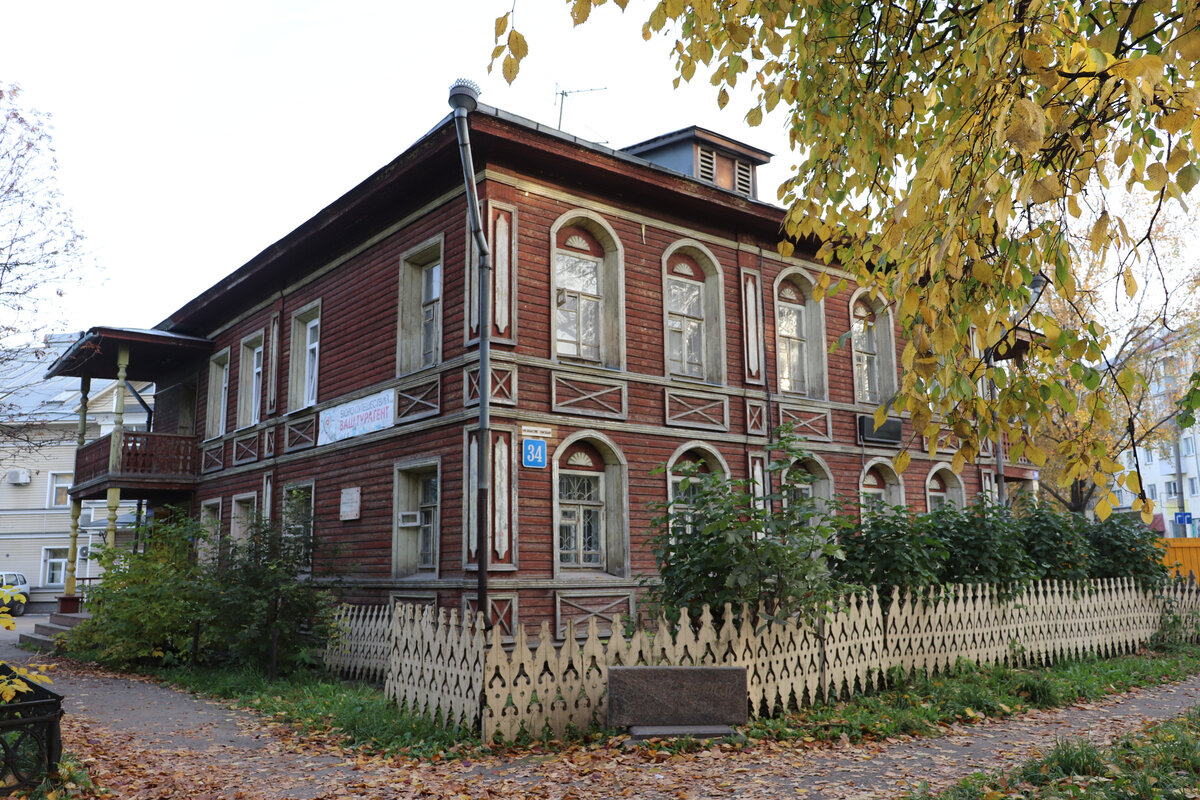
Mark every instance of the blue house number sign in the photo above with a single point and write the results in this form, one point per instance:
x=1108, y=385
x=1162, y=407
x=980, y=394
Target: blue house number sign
x=533, y=453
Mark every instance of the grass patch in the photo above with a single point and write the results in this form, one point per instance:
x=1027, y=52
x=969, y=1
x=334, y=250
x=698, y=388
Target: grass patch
x=1161, y=760
x=925, y=705
x=316, y=702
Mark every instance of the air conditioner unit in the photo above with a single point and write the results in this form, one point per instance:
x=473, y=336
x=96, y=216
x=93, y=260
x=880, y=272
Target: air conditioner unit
x=17, y=477
x=408, y=519
x=888, y=433
x=85, y=552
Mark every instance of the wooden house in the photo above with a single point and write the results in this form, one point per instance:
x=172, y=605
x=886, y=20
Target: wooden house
x=641, y=315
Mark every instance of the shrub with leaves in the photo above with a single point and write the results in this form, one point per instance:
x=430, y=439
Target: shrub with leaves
x=1123, y=547
x=891, y=547
x=721, y=540
x=144, y=611
x=1056, y=543
x=262, y=604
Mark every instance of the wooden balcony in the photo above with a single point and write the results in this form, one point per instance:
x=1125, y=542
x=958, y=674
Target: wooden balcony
x=151, y=466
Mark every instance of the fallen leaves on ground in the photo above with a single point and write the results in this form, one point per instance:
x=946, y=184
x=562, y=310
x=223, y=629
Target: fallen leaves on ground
x=269, y=760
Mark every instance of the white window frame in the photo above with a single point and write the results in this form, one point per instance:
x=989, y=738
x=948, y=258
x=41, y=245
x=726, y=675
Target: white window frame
x=251, y=376
x=955, y=493
x=53, y=485
x=305, y=367
x=1189, y=446
x=680, y=325
x=891, y=493
x=579, y=505
x=564, y=345
x=712, y=307
x=240, y=521
x=408, y=480
x=616, y=527
x=47, y=561
x=611, y=286
x=1152, y=491
x=880, y=363
x=210, y=519
x=217, y=415
x=419, y=334
x=1193, y=486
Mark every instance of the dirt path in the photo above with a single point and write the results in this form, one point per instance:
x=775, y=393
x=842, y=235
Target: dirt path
x=144, y=741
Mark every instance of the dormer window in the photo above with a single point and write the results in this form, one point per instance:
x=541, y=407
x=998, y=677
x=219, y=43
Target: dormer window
x=724, y=170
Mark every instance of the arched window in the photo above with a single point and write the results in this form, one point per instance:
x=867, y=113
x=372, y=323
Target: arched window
x=581, y=508
x=705, y=461
x=874, y=352
x=694, y=313
x=590, y=507
x=587, y=291
x=880, y=486
x=943, y=488
x=821, y=486
x=799, y=336
x=792, y=331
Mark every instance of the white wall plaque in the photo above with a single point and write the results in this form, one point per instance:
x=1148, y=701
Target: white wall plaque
x=351, y=503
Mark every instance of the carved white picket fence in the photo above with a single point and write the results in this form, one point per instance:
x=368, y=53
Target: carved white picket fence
x=435, y=666
x=361, y=644
x=439, y=665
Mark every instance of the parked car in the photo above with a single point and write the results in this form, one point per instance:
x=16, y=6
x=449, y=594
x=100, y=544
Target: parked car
x=15, y=582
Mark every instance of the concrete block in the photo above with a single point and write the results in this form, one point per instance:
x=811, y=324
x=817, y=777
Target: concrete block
x=673, y=696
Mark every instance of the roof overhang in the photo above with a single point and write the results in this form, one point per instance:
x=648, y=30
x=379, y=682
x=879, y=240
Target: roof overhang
x=152, y=354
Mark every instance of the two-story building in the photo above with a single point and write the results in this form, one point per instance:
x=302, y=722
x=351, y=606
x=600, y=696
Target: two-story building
x=640, y=315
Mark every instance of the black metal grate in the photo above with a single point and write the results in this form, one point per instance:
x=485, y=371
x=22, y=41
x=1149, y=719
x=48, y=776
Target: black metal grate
x=30, y=736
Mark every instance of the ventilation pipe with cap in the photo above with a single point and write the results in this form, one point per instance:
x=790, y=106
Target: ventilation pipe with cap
x=464, y=98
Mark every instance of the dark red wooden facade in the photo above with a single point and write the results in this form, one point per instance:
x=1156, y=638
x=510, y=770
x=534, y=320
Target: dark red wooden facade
x=618, y=418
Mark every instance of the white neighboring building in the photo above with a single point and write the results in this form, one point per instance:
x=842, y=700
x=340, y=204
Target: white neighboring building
x=1171, y=466
x=35, y=510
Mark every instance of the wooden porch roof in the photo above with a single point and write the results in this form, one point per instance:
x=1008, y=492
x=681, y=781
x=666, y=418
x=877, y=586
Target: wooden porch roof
x=151, y=354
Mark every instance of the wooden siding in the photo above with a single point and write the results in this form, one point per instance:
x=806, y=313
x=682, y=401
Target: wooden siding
x=359, y=299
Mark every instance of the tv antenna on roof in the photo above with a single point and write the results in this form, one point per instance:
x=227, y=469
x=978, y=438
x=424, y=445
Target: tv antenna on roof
x=560, y=97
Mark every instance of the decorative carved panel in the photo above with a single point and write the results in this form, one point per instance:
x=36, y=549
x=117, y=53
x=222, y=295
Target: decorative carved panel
x=755, y=351
x=811, y=423
x=504, y=611
x=756, y=417
x=686, y=410
x=268, y=443
x=300, y=433
x=417, y=402
x=947, y=444
x=504, y=385
x=501, y=500
x=245, y=448
x=504, y=269
x=607, y=608
x=589, y=397
x=212, y=457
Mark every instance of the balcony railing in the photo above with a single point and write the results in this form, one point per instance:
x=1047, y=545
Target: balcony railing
x=144, y=456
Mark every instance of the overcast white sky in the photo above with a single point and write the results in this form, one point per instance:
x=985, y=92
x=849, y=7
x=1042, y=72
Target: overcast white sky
x=192, y=136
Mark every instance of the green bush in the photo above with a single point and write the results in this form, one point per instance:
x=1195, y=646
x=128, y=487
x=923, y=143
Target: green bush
x=1057, y=544
x=262, y=604
x=180, y=596
x=145, y=608
x=720, y=542
x=892, y=547
x=986, y=545
x=1122, y=547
